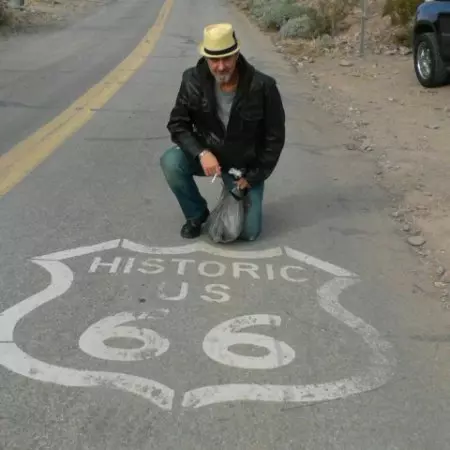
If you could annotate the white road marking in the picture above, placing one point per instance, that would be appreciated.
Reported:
(308, 393)
(182, 263)
(80, 251)
(203, 247)
(381, 369)
(61, 280)
(319, 264)
(213, 289)
(377, 374)
(185, 267)
(328, 296)
(219, 272)
(174, 298)
(112, 266)
(14, 359)
(129, 265)
(284, 274)
(217, 342)
(152, 267)
(152, 344)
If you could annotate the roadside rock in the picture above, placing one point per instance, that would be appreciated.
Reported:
(445, 278)
(405, 51)
(345, 63)
(351, 146)
(416, 241)
(366, 146)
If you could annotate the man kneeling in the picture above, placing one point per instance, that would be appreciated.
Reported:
(227, 115)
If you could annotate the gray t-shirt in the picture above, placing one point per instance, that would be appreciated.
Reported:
(224, 103)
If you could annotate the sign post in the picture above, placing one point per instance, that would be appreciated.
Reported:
(363, 27)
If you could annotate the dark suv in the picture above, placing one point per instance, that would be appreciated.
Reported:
(431, 43)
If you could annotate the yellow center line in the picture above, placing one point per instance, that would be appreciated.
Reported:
(18, 162)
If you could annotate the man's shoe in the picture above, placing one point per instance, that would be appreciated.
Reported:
(193, 227)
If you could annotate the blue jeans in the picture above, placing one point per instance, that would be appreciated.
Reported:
(179, 170)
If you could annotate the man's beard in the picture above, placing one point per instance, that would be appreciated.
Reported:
(223, 77)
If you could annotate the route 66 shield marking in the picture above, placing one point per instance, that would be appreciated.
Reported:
(217, 342)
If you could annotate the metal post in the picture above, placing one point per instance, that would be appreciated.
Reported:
(363, 27)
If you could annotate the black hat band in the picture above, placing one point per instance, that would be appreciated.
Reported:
(221, 52)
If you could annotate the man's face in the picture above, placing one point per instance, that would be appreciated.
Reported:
(222, 68)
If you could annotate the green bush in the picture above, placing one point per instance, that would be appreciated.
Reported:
(276, 13)
(325, 42)
(299, 27)
(400, 11)
(292, 19)
(257, 7)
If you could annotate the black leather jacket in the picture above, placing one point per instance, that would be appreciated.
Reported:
(255, 135)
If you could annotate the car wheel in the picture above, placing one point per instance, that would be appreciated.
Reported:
(429, 67)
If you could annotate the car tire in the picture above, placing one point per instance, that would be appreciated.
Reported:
(430, 69)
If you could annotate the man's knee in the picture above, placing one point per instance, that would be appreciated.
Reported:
(173, 163)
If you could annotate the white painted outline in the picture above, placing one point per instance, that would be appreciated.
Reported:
(378, 374)
(14, 359)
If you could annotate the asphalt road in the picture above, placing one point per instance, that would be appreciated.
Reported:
(115, 333)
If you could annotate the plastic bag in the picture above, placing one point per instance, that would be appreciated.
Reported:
(226, 220)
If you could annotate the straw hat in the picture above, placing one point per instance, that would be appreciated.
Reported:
(219, 41)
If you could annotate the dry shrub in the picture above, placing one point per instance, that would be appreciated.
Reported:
(403, 34)
(257, 7)
(332, 12)
(303, 27)
(401, 11)
(295, 20)
(277, 13)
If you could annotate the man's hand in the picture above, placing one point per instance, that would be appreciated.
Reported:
(242, 184)
(209, 164)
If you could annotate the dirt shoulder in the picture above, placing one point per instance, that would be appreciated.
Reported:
(41, 15)
(402, 127)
